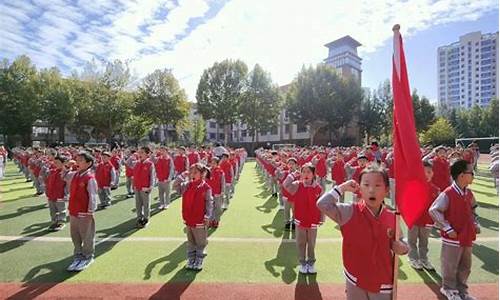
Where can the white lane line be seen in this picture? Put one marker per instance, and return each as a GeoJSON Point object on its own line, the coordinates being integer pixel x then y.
{"type": "Point", "coordinates": [7, 238]}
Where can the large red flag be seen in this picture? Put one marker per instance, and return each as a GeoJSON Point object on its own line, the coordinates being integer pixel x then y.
{"type": "Point", "coordinates": [411, 186]}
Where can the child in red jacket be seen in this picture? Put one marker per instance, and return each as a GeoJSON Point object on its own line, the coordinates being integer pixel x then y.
{"type": "Point", "coordinates": [105, 175]}
{"type": "Point", "coordinates": [217, 183]}
{"type": "Point", "coordinates": [56, 191]}
{"type": "Point", "coordinates": [454, 214]}
{"type": "Point", "coordinates": [308, 218]}
{"type": "Point", "coordinates": [368, 232]}
{"type": "Point", "coordinates": [422, 228]}
{"type": "Point", "coordinates": [196, 212]}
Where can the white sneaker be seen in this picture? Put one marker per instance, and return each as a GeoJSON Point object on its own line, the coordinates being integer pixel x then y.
{"type": "Point", "coordinates": [467, 297]}
{"type": "Point", "coordinates": [415, 264]}
{"type": "Point", "coordinates": [161, 207]}
{"type": "Point", "coordinates": [311, 269]}
{"type": "Point", "coordinates": [84, 263]}
{"type": "Point", "coordinates": [224, 206]}
{"type": "Point", "coordinates": [427, 265]}
{"type": "Point", "coordinates": [198, 264]}
{"type": "Point", "coordinates": [72, 266]}
{"type": "Point", "coordinates": [450, 294]}
{"type": "Point", "coordinates": [282, 207]}
{"type": "Point", "coordinates": [303, 269]}
{"type": "Point", "coordinates": [190, 264]}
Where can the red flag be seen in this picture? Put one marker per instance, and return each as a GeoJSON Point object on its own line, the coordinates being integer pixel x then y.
{"type": "Point", "coordinates": [411, 184]}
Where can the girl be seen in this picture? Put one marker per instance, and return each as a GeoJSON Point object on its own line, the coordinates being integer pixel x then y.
{"type": "Point", "coordinates": [368, 231]}
{"type": "Point", "coordinates": [307, 216]}
{"type": "Point", "coordinates": [82, 205]}
{"type": "Point", "coordinates": [282, 173]}
{"type": "Point", "coordinates": [196, 212]}
{"type": "Point", "coordinates": [338, 170]}
{"type": "Point", "coordinates": [144, 181]}
{"type": "Point", "coordinates": [217, 183]}
{"type": "Point", "coordinates": [56, 194]}
{"type": "Point", "coordinates": [105, 175]}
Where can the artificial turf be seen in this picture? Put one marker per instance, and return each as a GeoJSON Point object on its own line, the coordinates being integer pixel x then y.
{"type": "Point", "coordinates": [253, 214]}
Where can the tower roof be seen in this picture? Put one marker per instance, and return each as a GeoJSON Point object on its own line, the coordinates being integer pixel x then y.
{"type": "Point", "coordinates": [346, 40]}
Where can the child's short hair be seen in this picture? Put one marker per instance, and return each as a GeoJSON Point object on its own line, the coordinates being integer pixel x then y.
{"type": "Point", "coordinates": [146, 149]}
{"type": "Point", "coordinates": [202, 168]}
{"type": "Point", "coordinates": [61, 158]}
{"type": "Point", "coordinates": [292, 159]}
{"type": "Point", "coordinates": [310, 166]}
{"type": "Point", "coordinates": [375, 168]}
{"type": "Point", "coordinates": [87, 157]}
{"type": "Point", "coordinates": [215, 159]}
{"type": "Point", "coordinates": [427, 163]}
{"type": "Point", "coordinates": [458, 167]}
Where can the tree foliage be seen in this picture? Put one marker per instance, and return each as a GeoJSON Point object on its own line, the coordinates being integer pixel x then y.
{"type": "Point", "coordinates": [440, 132]}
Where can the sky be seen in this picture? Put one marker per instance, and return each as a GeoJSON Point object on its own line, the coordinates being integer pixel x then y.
{"type": "Point", "coordinates": [188, 36]}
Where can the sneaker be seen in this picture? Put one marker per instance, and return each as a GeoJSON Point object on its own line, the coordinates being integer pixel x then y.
{"type": "Point", "coordinates": [427, 265]}
{"type": "Point", "coordinates": [415, 264]}
{"type": "Point", "coordinates": [190, 264]}
{"type": "Point", "coordinates": [145, 222]}
{"type": "Point", "coordinates": [450, 294]}
{"type": "Point", "coordinates": [311, 269]}
{"type": "Point", "coordinates": [52, 227]}
{"type": "Point", "coordinates": [288, 225]}
{"type": "Point", "coordinates": [293, 225]}
{"type": "Point", "coordinates": [167, 206]}
{"type": "Point", "coordinates": [224, 206]}
{"type": "Point", "coordinates": [72, 266]}
{"type": "Point", "coordinates": [198, 264]}
{"type": "Point", "coordinates": [466, 296]}
{"type": "Point", "coordinates": [140, 223]}
{"type": "Point", "coordinates": [282, 207]}
{"type": "Point", "coordinates": [215, 224]}
{"type": "Point", "coordinates": [59, 226]}
{"type": "Point", "coordinates": [84, 264]}
{"type": "Point", "coordinates": [275, 194]}
{"type": "Point", "coordinates": [161, 207]}
{"type": "Point", "coordinates": [303, 269]}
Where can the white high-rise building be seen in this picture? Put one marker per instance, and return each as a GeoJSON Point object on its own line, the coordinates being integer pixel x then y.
{"type": "Point", "coordinates": [467, 71]}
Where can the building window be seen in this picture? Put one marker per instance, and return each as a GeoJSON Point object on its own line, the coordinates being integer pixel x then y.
{"type": "Point", "coordinates": [244, 133]}
{"type": "Point", "coordinates": [221, 136]}
{"type": "Point", "coordinates": [212, 136]}
{"type": "Point", "coordinates": [274, 130]}
{"type": "Point", "coordinates": [301, 128]}
{"type": "Point", "coordinates": [212, 124]}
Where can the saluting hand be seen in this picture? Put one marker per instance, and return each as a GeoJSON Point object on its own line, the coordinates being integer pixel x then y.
{"type": "Point", "coordinates": [349, 186]}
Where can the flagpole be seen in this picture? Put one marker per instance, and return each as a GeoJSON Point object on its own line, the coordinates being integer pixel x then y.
{"type": "Point", "coordinates": [397, 235]}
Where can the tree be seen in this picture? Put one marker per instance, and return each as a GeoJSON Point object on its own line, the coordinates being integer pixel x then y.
{"type": "Point", "coordinates": [198, 131]}
{"type": "Point", "coordinates": [423, 110]}
{"type": "Point", "coordinates": [260, 103]}
{"type": "Point", "coordinates": [220, 91]}
{"type": "Point", "coordinates": [318, 97]}
{"type": "Point", "coordinates": [19, 100]}
{"type": "Point", "coordinates": [372, 117]}
{"type": "Point", "coordinates": [491, 118]}
{"type": "Point", "coordinates": [161, 100]}
{"type": "Point", "coordinates": [440, 132]}
{"type": "Point", "coordinates": [136, 127]}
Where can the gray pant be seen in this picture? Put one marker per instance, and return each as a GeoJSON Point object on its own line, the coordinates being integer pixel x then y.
{"type": "Point", "coordinates": [288, 211]}
{"type": "Point", "coordinates": [104, 196]}
{"type": "Point", "coordinates": [83, 236]}
{"type": "Point", "coordinates": [164, 192]}
{"type": "Point", "coordinates": [354, 292]}
{"type": "Point", "coordinates": [142, 200]}
{"type": "Point", "coordinates": [128, 184]}
{"type": "Point", "coordinates": [306, 240]}
{"type": "Point", "coordinates": [40, 188]}
{"type": "Point", "coordinates": [322, 183]}
{"type": "Point", "coordinates": [196, 241]}
{"type": "Point", "coordinates": [422, 235]}
{"type": "Point", "coordinates": [456, 263]}
{"type": "Point", "coordinates": [228, 193]}
{"type": "Point", "coordinates": [57, 211]}
{"type": "Point", "coordinates": [217, 208]}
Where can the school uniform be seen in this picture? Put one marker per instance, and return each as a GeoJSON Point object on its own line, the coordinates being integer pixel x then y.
{"type": "Point", "coordinates": [82, 205]}
{"type": "Point", "coordinates": [129, 175]}
{"type": "Point", "coordinates": [441, 170]}
{"type": "Point", "coordinates": [193, 158]}
{"type": "Point", "coordinates": [217, 183]}
{"type": "Point", "coordinates": [321, 170]}
{"type": "Point", "coordinates": [421, 230]}
{"type": "Point", "coordinates": [116, 161]}
{"type": "Point", "coordinates": [105, 176]}
{"type": "Point", "coordinates": [196, 209]}
{"type": "Point", "coordinates": [144, 178]}
{"type": "Point", "coordinates": [338, 174]}
{"type": "Point", "coordinates": [228, 170]}
{"type": "Point", "coordinates": [181, 164]}
{"type": "Point", "coordinates": [287, 197]}
{"type": "Point", "coordinates": [454, 210]}
{"type": "Point", "coordinates": [164, 166]}
{"type": "Point", "coordinates": [366, 246]}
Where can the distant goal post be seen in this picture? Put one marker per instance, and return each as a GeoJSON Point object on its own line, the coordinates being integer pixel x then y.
{"type": "Point", "coordinates": [283, 146]}
{"type": "Point", "coordinates": [484, 143]}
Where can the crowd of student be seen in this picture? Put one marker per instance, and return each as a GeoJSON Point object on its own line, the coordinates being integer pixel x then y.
{"type": "Point", "coordinates": [84, 179]}
{"type": "Point", "coordinates": [297, 176]}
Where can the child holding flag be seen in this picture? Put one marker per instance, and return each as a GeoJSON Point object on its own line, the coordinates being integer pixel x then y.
{"type": "Point", "coordinates": [368, 231]}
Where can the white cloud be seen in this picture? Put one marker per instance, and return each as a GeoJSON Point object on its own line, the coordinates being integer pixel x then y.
{"type": "Point", "coordinates": [281, 35]}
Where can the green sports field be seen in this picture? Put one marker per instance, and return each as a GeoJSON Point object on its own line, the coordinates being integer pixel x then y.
{"type": "Point", "coordinates": [249, 247]}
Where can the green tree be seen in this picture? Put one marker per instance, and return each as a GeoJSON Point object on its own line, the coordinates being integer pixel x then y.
{"type": "Point", "coordinates": [198, 131]}
{"type": "Point", "coordinates": [424, 112]}
{"type": "Point", "coordinates": [220, 91]}
{"type": "Point", "coordinates": [440, 132]}
{"type": "Point", "coordinates": [19, 99]}
{"type": "Point", "coordinates": [372, 117]}
{"type": "Point", "coordinates": [136, 127]}
{"type": "Point", "coordinates": [260, 103]}
{"type": "Point", "coordinates": [161, 100]}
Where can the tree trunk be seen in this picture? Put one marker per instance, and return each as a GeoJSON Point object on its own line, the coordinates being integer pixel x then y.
{"type": "Point", "coordinates": [62, 135]}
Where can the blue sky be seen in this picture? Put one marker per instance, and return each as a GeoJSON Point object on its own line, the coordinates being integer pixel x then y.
{"type": "Point", "coordinates": [188, 36]}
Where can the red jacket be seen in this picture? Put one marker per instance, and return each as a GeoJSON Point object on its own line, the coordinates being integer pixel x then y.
{"type": "Point", "coordinates": [460, 216]}
{"type": "Point", "coordinates": [227, 167]}
{"type": "Point", "coordinates": [115, 161]}
{"type": "Point", "coordinates": [321, 167]}
{"type": "Point", "coordinates": [215, 181]}
{"type": "Point", "coordinates": [193, 203]}
{"type": "Point", "coordinates": [162, 167]}
{"type": "Point", "coordinates": [441, 169]}
{"type": "Point", "coordinates": [338, 172]}
{"type": "Point", "coordinates": [142, 174]}
{"type": "Point", "coordinates": [193, 158]}
{"type": "Point", "coordinates": [425, 219]}
{"type": "Point", "coordinates": [366, 249]}
{"type": "Point", "coordinates": [55, 185]}
{"type": "Point", "coordinates": [180, 163]}
{"type": "Point", "coordinates": [79, 196]}
{"type": "Point", "coordinates": [103, 174]}
{"type": "Point", "coordinates": [307, 214]}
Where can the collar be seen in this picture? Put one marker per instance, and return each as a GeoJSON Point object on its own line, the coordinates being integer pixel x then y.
{"type": "Point", "coordinates": [365, 207]}
{"type": "Point", "coordinates": [455, 186]}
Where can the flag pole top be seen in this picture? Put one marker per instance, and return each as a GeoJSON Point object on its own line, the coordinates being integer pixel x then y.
{"type": "Point", "coordinates": [396, 27]}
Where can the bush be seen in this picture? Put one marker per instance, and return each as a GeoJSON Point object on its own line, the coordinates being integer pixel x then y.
{"type": "Point", "coordinates": [439, 133]}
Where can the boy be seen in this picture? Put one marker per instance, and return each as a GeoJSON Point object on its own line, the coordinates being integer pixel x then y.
{"type": "Point", "coordinates": [217, 184]}
{"type": "Point", "coordinates": [228, 170]}
{"type": "Point", "coordinates": [56, 194]}
{"type": "Point", "coordinates": [105, 175]}
{"type": "Point", "coordinates": [181, 162]}
{"type": "Point", "coordinates": [164, 166]}
{"type": "Point", "coordinates": [441, 168]}
{"type": "Point", "coordinates": [454, 214]}
{"type": "Point", "coordinates": [287, 198]}
{"type": "Point", "coordinates": [144, 177]}
{"type": "Point", "coordinates": [422, 228]}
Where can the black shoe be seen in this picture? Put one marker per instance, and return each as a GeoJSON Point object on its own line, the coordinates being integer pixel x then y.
{"type": "Point", "coordinates": [293, 225]}
{"type": "Point", "coordinates": [140, 223]}
{"type": "Point", "coordinates": [52, 227]}
{"type": "Point", "coordinates": [145, 222]}
{"type": "Point", "coordinates": [275, 195]}
{"type": "Point", "coordinates": [288, 226]}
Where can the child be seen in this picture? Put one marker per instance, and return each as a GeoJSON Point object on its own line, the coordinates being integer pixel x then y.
{"type": "Point", "coordinates": [287, 198]}
{"type": "Point", "coordinates": [181, 162]}
{"type": "Point", "coordinates": [144, 177]}
{"type": "Point", "coordinates": [338, 171]}
{"type": "Point", "coordinates": [217, 183]}
{"type": "Point", "coordinates": [129, 173]}
{"type": "Point", "coordinates": [454, 214]}
{"type": "Point", "coordinates": [368, 231]}
{"type": "Point", "coordinates": [306, 192]}
{"type": "Point", "coordinates": [56, 194]}
{"type": "Point", "coordinates": [82, 204]}
{"type": "Point", "coordinates": [441, 168]}
{"type": "Point", "coordinates": [362, 162]}
{"type": "Point", "coordinates": [422, 228]}
{"type": "Point", "coordinates": [196, 212]}
{"type": "Point", "coordinates": [228, 170]}
{"type": "Point", "coordinates": [164, 166]}
{"type": "Point", "coordinates": [319, 163]}
{"type": "Point", "coordinates": [105, 175]}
